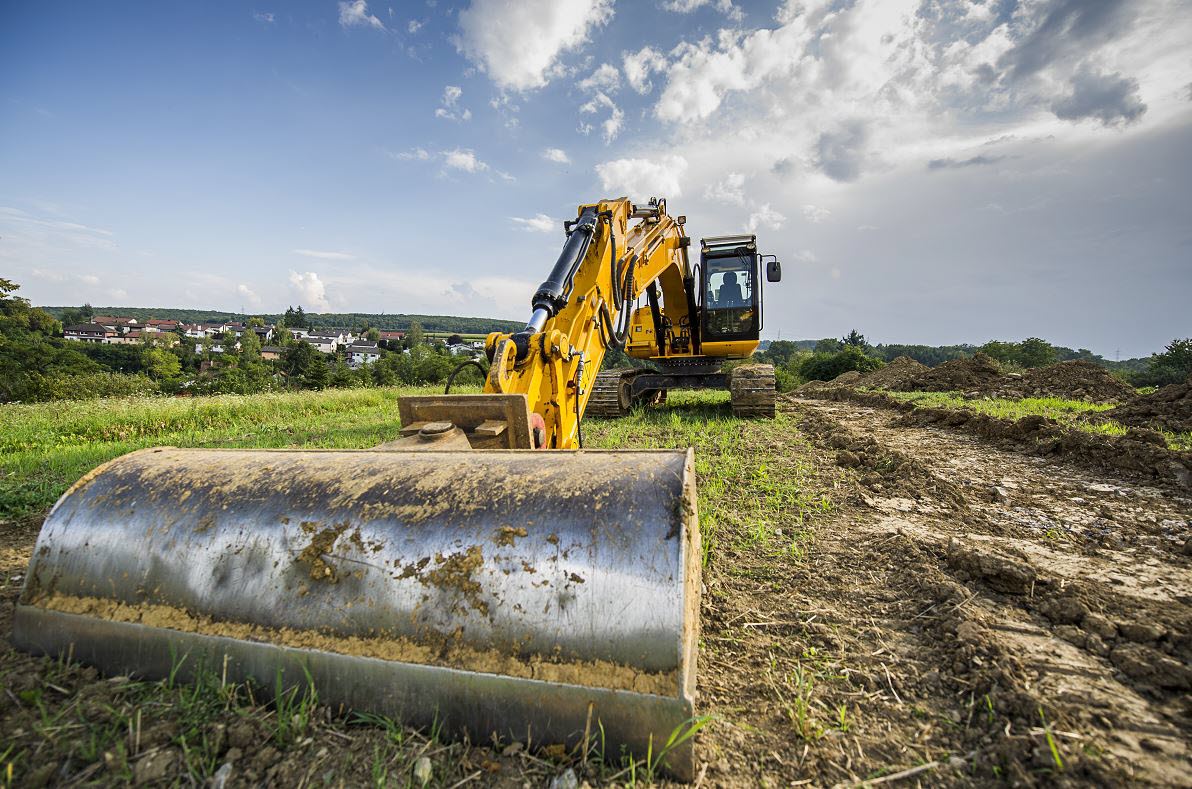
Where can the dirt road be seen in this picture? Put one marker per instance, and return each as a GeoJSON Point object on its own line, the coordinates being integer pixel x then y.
{"type": "Point", "coordinates": [965, 615]}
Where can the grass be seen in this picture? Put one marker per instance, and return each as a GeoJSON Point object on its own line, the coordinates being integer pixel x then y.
{"type": "Point", "coordinates": [45, 447]}
{"type": "Point", "coordinates": [1071, 413]}
{"type": "Point", "coordinates": [757, 483]}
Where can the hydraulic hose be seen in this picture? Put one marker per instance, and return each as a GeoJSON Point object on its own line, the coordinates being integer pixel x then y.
{"type": "Point", "coordinates": [459, 368]}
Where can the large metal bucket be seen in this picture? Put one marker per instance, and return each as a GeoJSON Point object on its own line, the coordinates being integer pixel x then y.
{"type": "Point", "coordinates": [533, 595]}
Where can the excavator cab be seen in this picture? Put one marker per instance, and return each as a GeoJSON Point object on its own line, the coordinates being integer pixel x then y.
{"type": "Point", "coordinates": [731, 290]}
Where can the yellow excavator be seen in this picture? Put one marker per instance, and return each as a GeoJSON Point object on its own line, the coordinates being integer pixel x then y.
{"type": "Point", "coordinates": [533, 596]}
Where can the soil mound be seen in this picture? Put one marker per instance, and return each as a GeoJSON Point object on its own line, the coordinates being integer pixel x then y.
{"type": "Point", "coordinates": [899, 375]}
{"type": "Point", "coordinates": [1075, 380]}
{"type": "Point", "coordinates": [981, 373]}
{"type": "Point", "coordinates": [1170, 408]}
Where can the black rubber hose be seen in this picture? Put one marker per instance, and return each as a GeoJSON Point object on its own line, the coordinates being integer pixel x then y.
{"type": "Point", "coordinates": [459, 368]}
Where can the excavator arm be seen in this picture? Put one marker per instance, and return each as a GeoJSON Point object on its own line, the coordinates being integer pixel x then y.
{"type": "Point", "coordinates": [615, 252]}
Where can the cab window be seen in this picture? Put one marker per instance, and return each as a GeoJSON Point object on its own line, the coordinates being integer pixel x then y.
{"type": "Point", "coordinates": [728, 300]}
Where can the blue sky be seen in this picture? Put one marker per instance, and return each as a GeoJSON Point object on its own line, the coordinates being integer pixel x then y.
{"type": "Point", "coordinates": [942, 171]}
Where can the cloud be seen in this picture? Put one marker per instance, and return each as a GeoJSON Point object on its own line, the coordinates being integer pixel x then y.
{"type": "Point", "coordinates": [518, 43]}
{"type": "Point", "coordinates": [1109, 98]}
{"type": "Point", "coordinates": [449, 106]}
{"type": "Point", "coordinates": [354, 13]}
{"type": "Point", "coordinates": [640, 65]}
{"type": "Point", "coordinates": [412, 155]}
{"type": "Point", "coordinates": [89, 279]}
{"type": "Point", "coordinates": [813, 213]}
{"type": "Point", "coordinates": [321, 255]}
{"type": "Point", "coordinates": [729, 190]}
{"type": "Point", "coordinates": [1062, 29]}
{"type": "Point", "coordinates": [539, 223]}
{"type": "Point", "coordinates": [956, 164]}
{"type": "Point", "coordinates": [413, 26]}
{"type": "Point", "coordinates": [764, 216]}
{"type": "Point", "coordinates": [725, 7]}
{"type": "Point", "coordinates": [463, 159]}
{"type": "Point", "coordinates": [309, 289]}
{"type": "Point", "coordinates": [840, 153]}
{"type": "Point", "coordinates": [606, 78]}
{"type": "Point", "coordinates": [264, 17]}
{"type": "Point", "coordinates": [610, 126]}
{"type": "Point", "coordinates": [557, 155]}
{"type": "Point", "coordinates": [248, 293]}
{"type": "Point", "coordinates": [643, 178]}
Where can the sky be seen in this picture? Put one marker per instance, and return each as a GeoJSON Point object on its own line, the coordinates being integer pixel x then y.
{"type": "Point", "coordinates": [928, 171]}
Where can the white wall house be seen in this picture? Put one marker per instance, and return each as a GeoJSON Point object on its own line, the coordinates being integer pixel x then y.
{"type": "Point", "coordinates": [361, 354]}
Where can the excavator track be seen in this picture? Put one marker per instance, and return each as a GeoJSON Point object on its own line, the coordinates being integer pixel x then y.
{"type": "Point", "coordinates": [752, 390]}
{"type": "Point", "coordinates": [611, 395]}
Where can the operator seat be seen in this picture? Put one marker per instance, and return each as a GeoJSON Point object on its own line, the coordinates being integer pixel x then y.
{"type": "Point", "coordinates": [730, 291]}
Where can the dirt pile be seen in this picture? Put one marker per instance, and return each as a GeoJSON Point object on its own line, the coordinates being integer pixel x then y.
{"type": "Point", "coordinates": [980, 373]}
{"type": "Point", "coordinates": [1075, 380]}
{"type": "Point", "coordinates": [1170, 408]}
{"type": "Point", "coordinates": [898, 375]}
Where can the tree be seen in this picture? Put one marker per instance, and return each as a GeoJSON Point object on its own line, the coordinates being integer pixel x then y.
{"type": "Point", "coordinates": [159, 364]}
{"type": "Point", "coordinates": [1173, 366]}
{"type": "Point", "coordinates": [1004, 352]}
{"type": "Point", "coordinates": [373, 335]}
{"type": "Point", "coordinates": [854, 339]}
{"type": "Point", "coordinates": [414, 335]}
{"type": "Point", "coordinates": [455, 339]}
{"type": "Point", "coordinates": [780, 352]}
{"type": "Point", "coordinates": [34, 363]}
{"type": "Point", "coordinates": [305, 366]}
{"type": "Point", "coordinates": [828, 345]}
{"type": "Point", "coordinates": [72, 316]}
{"type": "Point", "coordinates": [1034, 352]}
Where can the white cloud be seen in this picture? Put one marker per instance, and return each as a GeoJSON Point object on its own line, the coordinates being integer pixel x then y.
{"type": "Point", "coordinates": [246, 292]}
{"type": "Point", "coordinates": [354, 13]}
{"type": "Point", "coordinates": [117, 293]}
{"type": "Point", "coordinates": [518, 43]}
{"type": "Point", "coordinates": [725, 7]}
{"type": "Point", "coordinates": [89, 279]}
{"type": "Point", "coordinates": [606, 79]}
{"type": "Point", "coordinates": [321, 255]}
{"type": "Point", "coordinates": [763, 216]}
{"type": "Point", "coordinates": [610, 126]}
{"type": "Point", "coordinates": [309, 289]}
{"type": "Point", "coordinates": [449, 107]}
{"type": "Point", "coordinates": [643, 178]}
{"type": "Point", "coordinates": [813, 213]}
{"type": "Point", "coordinates": [412, 155]}
{"type": "Point", "coordinates": [539, 223]}
{"type": "Point", "coordinates": [557, 155]}
{"type": "Point", "coordinates": [729, 190]}
{"type": "Point", "coordinates": [414, 26]}
{"type": "Point", "coordinates": [640, 65]}
{"type": "Point", "coordinates": [463, 159]}
{"type": "Point", "coordinates": [264, 17]}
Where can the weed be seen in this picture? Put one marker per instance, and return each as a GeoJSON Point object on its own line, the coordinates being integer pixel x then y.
{"type": "Point", "coordinates": [842, 723]}
{"type": "Point", "coordinates": [1051, 743]}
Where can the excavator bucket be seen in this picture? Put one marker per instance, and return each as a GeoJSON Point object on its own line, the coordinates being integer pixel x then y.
{"type": "Point", "coordinates": [531, 595]}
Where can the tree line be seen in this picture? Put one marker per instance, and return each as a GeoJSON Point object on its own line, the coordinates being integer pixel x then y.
{"type": "Point", "coordinates": [796, 362]}
{"type": "Point", "coordinates": [37, 364]}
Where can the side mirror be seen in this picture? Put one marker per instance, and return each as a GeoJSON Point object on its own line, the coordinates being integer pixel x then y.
{"type": "Point", "coordinates": [773, 270]}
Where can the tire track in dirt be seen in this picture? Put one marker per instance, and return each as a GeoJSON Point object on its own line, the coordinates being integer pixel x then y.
{"type": "Point", "coordinates": [1056, 597]}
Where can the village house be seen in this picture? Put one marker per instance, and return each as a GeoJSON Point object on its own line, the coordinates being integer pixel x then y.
{"type": "Point", "coordinates": [89, 332]}
{"type": "Point", "coordinates": [271, 352]}
{"type": "Point", "coordinates": [362, 353]}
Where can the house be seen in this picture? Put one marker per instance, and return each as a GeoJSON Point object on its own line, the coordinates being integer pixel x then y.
{"type": "Point", "coordinates": [271, 352]}
{"type": "Point", "coordinates": [114, 322]}
{"type": "Point", "coordinates": [363, 353]}
{"type": "Point", "coordinates": [264, 333]}
{"type": "Point", "coordinates": [463, 349]}
{"type": "Point", "coordinates": [159, 324]}
{"type": "Point", "coordinates": [130, 337]}
{"type": "Point", "coordinates": [326, 343]}
{"type": "Point", "coordinates": [88, 332]}
{"type": "Point", "coordinates": [391, 335]}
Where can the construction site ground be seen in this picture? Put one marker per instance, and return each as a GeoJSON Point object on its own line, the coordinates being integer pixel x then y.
{"type": "Point", "coordinates": [884, 602]}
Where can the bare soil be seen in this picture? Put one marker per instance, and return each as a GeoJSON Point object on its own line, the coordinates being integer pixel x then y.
{"type": "Point", "coordinates": [1170, 408]}
{"type": "Point", "coordinates": [959, 612]}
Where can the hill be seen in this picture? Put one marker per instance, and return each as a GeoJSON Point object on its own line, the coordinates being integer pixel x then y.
{"type": "Point", "coordinates": [390, 322]}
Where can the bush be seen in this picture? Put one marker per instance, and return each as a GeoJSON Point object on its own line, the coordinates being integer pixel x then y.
{"type": "Point", "coordinates": [826, 366]}
{"type": "Point", "coordinates": [89, 386]}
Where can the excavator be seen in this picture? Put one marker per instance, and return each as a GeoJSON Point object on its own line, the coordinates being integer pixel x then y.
{"type": "Point", "coordinates": [453, 576]}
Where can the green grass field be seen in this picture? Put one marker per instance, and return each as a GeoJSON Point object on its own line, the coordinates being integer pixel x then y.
{"type": "Point", "coordinates": [45, 447]}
